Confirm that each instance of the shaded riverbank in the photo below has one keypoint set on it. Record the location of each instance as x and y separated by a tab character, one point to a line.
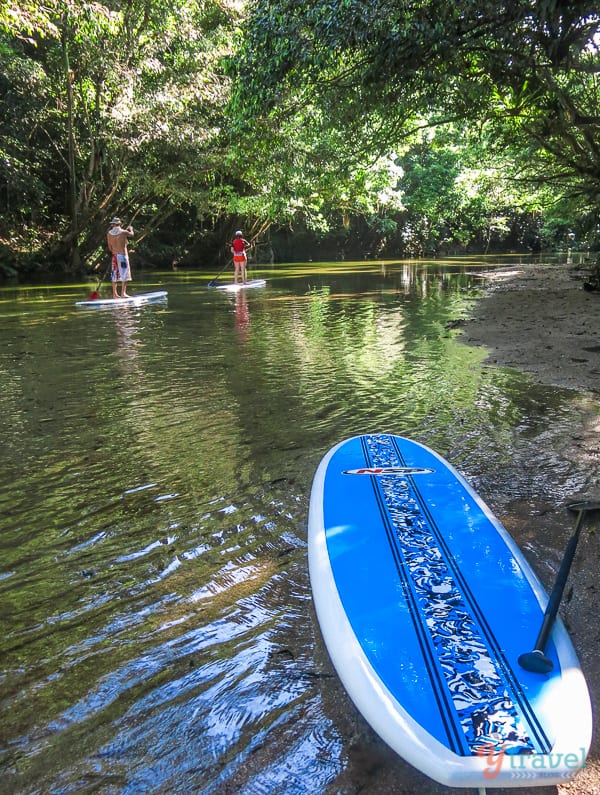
538	318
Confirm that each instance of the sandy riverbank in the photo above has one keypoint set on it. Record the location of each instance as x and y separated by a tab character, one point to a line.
538	318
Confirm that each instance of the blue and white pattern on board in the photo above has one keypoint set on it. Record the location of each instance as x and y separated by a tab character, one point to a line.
477	686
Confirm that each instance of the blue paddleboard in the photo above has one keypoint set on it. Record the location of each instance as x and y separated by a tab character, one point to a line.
425	604
133	300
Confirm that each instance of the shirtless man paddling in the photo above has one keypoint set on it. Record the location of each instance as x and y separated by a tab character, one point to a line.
116	238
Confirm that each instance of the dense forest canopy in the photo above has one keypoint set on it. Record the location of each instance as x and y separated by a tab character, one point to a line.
106	109
369	127
521	75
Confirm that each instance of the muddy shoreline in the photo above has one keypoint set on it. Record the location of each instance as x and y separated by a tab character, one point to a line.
539	319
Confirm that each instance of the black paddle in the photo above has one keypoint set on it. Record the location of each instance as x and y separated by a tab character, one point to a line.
536	661
212	281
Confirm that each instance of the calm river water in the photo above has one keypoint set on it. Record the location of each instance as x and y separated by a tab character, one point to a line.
157	632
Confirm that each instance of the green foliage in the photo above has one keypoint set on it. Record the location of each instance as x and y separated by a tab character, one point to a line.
119	106
459	193
525	73
308	170
399	127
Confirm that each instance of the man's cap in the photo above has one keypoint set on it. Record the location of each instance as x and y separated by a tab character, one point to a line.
115	220
239	232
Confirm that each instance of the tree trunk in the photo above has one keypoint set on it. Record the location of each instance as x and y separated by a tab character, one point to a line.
75	262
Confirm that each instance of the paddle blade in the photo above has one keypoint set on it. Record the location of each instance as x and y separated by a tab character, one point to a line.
536	662
93	295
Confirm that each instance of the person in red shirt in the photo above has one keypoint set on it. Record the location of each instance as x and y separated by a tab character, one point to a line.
239	246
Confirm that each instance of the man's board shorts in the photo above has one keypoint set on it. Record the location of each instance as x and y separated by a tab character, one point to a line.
120	268
240	256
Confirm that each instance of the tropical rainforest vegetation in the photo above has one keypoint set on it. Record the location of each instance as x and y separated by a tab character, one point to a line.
346	128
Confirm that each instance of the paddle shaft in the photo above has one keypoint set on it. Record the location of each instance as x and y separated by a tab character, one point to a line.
95	292
106	272
227	264
559	586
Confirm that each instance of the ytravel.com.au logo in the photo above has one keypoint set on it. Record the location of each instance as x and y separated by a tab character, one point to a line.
525	765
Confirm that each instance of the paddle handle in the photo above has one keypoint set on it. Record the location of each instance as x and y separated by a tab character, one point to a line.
559	587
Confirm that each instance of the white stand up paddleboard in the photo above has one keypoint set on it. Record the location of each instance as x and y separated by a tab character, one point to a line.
233	288
133	300
425	604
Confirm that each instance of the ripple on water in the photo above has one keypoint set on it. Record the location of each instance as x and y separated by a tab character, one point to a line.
143	617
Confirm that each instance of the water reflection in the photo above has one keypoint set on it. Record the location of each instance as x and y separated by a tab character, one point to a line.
157	631
127	320
242	316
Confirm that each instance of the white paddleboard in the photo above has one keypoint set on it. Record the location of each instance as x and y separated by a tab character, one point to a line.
425	604
233	288
132	300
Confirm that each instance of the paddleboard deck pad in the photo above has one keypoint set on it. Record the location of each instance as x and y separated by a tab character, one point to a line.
133	300
425	604
233	288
